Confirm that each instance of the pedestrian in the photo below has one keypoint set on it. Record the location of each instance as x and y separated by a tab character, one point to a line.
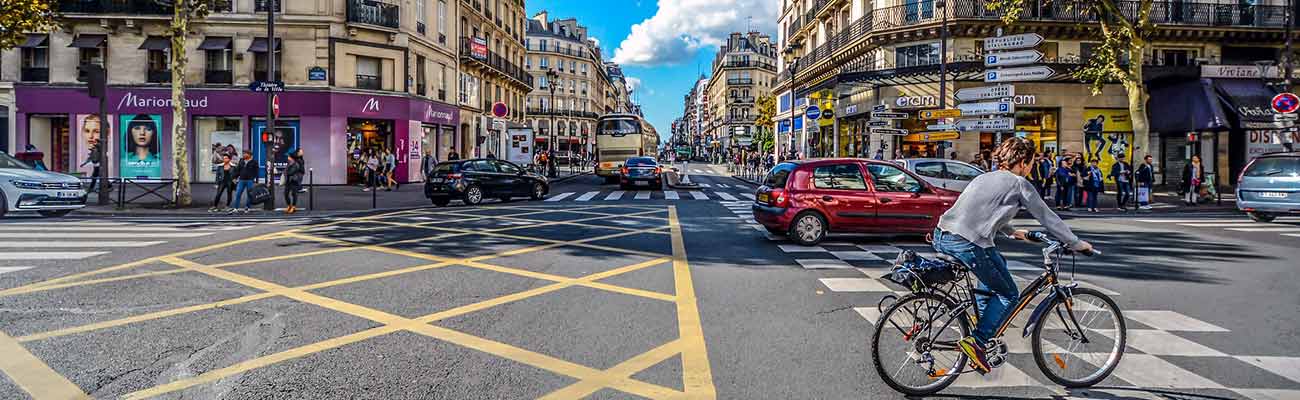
453	156
979	162
880	154
302	162
246	175
1121	172
1046	168
952	156
1064	185
225	175
293	173
1093	184
1146	177
390	170
93	160
1080	165
1193	178
372	171
1037	177
426	164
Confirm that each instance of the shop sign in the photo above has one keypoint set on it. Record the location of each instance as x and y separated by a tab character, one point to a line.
986	108
1022	100
937	114
1012	58
371	106
478	48
1239	71
986	125
888	131
317	74
915	101
1012	42
985	92
812	112
1284	117
435	115
131	100
931	136
1034	73
850	109
1261	142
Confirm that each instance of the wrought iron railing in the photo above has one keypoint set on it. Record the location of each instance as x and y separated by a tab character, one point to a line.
376	13
137	7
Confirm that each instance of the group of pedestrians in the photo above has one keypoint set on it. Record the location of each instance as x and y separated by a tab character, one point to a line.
377	169
1080	182
237	181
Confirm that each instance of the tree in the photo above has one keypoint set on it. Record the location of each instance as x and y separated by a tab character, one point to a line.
184	13
1125	30
766	111
17	17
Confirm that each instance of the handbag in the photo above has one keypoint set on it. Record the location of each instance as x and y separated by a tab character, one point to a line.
260	194
1144	195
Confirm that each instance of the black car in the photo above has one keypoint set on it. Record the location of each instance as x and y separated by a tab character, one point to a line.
641	172
476	179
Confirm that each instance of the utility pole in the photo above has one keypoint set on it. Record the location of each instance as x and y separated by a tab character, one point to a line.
943	65
270	146
1286	57
551	76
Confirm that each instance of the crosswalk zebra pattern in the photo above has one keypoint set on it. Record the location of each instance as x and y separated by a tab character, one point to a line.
644	195
1289	227
25	245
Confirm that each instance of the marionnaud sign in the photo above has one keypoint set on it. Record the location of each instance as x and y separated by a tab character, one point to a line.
1012	58
984	125
986	108
132	100
1012	42
1034	73
985	92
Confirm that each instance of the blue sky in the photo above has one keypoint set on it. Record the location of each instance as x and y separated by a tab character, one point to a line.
663	44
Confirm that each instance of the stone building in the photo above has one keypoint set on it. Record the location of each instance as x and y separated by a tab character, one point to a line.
572	84
744	69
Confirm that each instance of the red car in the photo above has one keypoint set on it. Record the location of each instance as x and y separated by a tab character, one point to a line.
809	199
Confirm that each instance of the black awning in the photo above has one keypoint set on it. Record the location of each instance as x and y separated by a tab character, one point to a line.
259	45
215	43
1248	100
156	43
88	41
1186	106
35	40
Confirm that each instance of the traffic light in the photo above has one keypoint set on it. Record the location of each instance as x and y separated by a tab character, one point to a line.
95	77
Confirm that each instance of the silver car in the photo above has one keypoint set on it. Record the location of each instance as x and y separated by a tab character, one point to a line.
941	172
1270	186
23	188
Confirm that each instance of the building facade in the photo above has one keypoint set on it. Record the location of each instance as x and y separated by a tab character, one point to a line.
492	55
572	84
744	69
856	54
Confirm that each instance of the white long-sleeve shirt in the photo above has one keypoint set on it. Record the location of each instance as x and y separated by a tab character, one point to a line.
988	204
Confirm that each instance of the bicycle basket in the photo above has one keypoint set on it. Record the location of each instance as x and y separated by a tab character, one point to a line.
919	273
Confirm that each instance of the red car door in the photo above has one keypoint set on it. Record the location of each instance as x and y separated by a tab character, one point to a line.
841	192
906	203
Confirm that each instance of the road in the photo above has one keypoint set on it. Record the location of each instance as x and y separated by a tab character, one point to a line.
594	293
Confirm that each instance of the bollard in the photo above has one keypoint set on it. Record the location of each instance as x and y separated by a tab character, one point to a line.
374	197
311	190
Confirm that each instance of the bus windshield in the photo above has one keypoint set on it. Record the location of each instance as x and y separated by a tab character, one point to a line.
618	127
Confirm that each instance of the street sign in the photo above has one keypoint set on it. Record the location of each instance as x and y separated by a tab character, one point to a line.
1285	102
275	105
500	110
1012	58
266	86
888	131
941	127
1034	73
1012	42
878	108
987	108
1284	117
986	125
812	112
985	92
937	114
888	115
828	114
879	123
931	136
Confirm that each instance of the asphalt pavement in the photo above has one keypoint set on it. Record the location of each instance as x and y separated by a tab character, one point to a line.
593	294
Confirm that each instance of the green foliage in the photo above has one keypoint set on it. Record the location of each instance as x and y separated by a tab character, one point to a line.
1123	32
17	17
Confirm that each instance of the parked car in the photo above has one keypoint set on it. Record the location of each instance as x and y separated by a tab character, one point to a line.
473	180
1270	186
640	172
944	173
809	199
24	188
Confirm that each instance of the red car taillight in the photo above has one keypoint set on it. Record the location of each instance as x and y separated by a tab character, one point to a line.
623	170
659	170
454	176
778	198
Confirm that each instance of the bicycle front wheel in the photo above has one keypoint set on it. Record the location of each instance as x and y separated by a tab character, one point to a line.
914	347
1080	339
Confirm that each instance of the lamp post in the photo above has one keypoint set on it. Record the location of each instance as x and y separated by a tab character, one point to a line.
792	67
551	76
942	5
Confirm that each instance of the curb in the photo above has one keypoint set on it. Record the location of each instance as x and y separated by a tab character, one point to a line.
746	180
269	215
565	178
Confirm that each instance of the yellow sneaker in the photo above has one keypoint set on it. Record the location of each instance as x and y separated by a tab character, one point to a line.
975	351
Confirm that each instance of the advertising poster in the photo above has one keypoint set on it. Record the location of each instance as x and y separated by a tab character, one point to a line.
141	142
1107	133
284	142
89	129
1261	142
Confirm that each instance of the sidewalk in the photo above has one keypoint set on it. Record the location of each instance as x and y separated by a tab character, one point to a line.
326	200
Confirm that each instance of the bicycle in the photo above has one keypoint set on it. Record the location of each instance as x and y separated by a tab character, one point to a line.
943	302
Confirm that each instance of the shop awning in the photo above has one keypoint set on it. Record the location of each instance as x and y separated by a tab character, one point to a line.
1186	106
259	45
156	43
35	41
215	43
88	41
1248	100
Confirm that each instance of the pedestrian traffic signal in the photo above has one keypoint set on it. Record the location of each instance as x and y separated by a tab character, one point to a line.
95	77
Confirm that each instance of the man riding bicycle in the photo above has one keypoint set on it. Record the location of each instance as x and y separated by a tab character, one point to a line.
983	210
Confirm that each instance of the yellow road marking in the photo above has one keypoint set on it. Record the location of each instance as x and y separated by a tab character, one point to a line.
146	317
633	365
697	375
33	375
565	223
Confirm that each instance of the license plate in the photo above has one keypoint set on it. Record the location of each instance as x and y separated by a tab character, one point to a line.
67	195
1276	195
436	180
763	197
642	183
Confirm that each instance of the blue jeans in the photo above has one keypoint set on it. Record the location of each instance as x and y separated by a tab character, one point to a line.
1092	196
239	192
991	269
1064	195
1122	193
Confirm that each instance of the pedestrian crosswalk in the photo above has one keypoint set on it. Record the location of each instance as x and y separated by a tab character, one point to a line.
1288	227
25	244
646	195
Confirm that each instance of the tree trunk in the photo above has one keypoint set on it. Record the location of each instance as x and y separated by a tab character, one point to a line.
1137	101
180	147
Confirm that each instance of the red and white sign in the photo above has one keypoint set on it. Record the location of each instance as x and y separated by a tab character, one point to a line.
500	110
1285	103
275	106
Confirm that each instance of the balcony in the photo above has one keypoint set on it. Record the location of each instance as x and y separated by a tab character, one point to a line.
494	62
371	82
742	99
158	76
260	6
260	75
375	13
561	113
749	64
128	7
218	76
36	74
796	23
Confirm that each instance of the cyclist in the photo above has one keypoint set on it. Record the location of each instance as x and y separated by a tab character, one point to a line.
966	232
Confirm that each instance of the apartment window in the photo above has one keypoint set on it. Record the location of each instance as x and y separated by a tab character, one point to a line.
584	69
442	82
468	89
368	73
543	62
420	79
528	63
158	58
442	21
917	55
1175	57
218	59
261	5
1086	50
36	58
421	15
90	49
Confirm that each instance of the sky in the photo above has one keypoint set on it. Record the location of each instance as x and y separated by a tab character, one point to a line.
663	45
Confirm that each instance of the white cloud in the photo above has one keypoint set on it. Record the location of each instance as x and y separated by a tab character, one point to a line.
633	83
680	28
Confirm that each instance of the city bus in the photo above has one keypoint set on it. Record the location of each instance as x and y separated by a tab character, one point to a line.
619	137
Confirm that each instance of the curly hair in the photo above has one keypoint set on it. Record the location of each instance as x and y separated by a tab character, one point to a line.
1012	152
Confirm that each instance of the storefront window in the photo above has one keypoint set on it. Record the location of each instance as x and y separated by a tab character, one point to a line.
366	137
213	138
1039	126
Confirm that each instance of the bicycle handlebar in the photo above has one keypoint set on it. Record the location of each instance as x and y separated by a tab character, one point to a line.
1043	237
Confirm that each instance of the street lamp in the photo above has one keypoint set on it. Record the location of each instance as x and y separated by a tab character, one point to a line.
793	65
943	64
551	76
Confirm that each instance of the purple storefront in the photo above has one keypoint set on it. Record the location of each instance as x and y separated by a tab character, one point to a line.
331	128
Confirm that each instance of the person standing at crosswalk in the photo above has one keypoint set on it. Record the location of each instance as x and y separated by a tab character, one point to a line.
1146	178
292	181
247	175
226	173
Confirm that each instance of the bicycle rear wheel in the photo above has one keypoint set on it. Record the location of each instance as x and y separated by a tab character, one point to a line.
1080	339
914	346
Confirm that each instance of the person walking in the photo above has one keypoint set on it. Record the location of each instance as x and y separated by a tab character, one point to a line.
1080	165
226	173
1093	184
1064	185
1193	178
93	160
1121	172
1146	178
390	170
1036	175
246	175
426	164
453	155
302	162
372	171
1046	168
293	173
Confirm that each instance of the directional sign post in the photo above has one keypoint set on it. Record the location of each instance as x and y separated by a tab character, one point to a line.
985	93
1022	74
879	123
1012	42
878	108
987	108
938	114
888	115
1012	58
986	125
941	127
888	131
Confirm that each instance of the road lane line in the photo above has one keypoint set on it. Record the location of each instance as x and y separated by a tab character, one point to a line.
671	195
586	196
1292	229
52	255
697	377
698	195
62	244
560	196
33	375
103	235
726	196
723	185
748	196
615	195
704	185
642	195
582	389
1227	224
5	270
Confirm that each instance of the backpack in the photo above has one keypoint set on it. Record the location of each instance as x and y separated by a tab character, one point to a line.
918	273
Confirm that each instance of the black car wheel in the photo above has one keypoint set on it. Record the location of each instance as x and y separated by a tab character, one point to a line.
539	191
1261	217
473	196
54	213
441	201
4	205
808	228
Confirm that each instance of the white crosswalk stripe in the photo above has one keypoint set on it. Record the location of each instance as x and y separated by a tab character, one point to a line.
726	196
74	244
52	255
748	196
615	195
586	196
5	270
78	240
1281	226
642	195
704	185
671	195
723	185
699	195
560	196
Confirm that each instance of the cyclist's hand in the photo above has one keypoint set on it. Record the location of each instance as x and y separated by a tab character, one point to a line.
1082	247
1020	234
